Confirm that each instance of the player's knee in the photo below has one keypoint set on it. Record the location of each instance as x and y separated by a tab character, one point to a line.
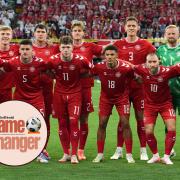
171	125
148	131
171	128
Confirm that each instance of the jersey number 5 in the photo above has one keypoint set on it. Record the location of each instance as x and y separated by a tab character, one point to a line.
24	78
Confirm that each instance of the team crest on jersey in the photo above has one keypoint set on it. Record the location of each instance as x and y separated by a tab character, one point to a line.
160	79
11	53
124	47
47	52
147	77
137	47
178	53
72	67
118	74
82	48
105	73
59	67
32	69
18	68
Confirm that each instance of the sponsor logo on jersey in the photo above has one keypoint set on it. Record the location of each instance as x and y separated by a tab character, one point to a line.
72	67
118	74
160	79
32	69
137	47
11	53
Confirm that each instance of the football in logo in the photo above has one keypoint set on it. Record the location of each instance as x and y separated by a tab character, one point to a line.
33	124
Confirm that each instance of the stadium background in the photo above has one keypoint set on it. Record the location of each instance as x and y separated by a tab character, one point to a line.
104	20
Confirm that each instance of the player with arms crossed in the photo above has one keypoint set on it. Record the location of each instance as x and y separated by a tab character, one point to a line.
7	51
44	49
115	75
133	49
68	68
169	55
158	100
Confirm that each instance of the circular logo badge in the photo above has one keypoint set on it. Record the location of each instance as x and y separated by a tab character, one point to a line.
23	133
83	48
160	79
118	74
32	69
137	47
72	67
47	52
11	53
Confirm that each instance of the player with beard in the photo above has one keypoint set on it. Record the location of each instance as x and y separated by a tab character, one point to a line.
158	100
169	55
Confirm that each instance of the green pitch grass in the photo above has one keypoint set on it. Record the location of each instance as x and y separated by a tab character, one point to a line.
109	169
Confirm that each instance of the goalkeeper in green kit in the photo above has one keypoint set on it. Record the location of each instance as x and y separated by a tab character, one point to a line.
169	55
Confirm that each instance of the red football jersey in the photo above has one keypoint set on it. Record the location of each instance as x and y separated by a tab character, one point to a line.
135	53
45	53
114	82
27	78
6	79
88	50
68	73
156	89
